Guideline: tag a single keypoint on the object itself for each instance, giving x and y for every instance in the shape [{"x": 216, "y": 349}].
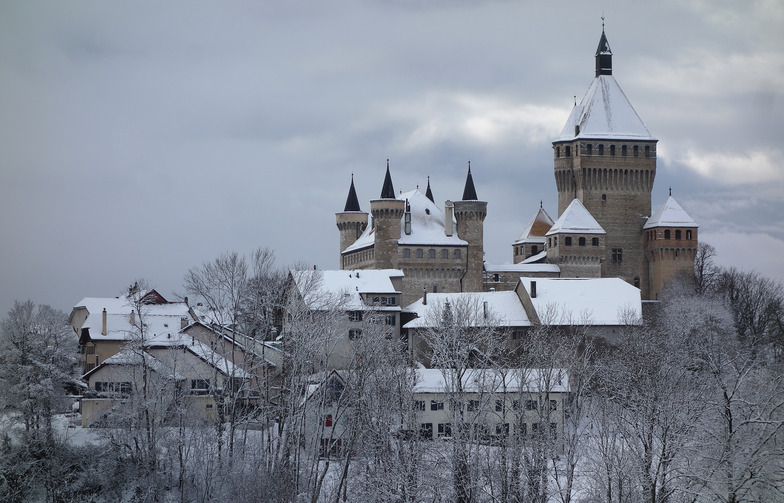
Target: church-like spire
[
  {"x": 352, "y": 202},
  {"x": 388, "y": 191},
  {"x": 603, "y": 55},
  {"x": 428, "y": 192},
  {"x": 469, "y": 192}
]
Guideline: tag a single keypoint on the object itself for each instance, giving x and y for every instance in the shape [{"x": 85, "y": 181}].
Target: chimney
[
  {"x": 449, "y": 208},
  {"x": 533, "y": 289},
  {"x": 103, "y": 322},
  {"x": 424, "y": 296},
  {"x": 484, "y": 308}
]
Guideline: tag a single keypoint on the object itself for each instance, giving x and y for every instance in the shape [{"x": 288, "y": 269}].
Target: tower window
[
  {"x": 667, "y": 234},
  {"x": 581, "y": 241},
  {"x": 612, "y": 149},
  {"x": 568, "y": 151},
  {"x": 456, "y": 254},
  {"x": 589, "y": 148},
  {"x": 406, "y": 252},
  {"x": 431, "y": 253},
  {"x": 647, "y": 151},
  {"x": 604, "y": 197},
  {"x": 557, "y": 151},
  {"x": 637, "y": 281},
  {"x": 601, "y": 149},
  {"x": 623, "y": 150},
  {"x": 419, "y": 253},
  {"x": 550, "y": 242},
  {"x": 594, "y": 241},
  {"x": 617, "y": 255},
  {"x": 568, "y": 240},
  {"x": 688, "y": 234},
  {"x": 555, "y": 241},
  {"x": 636, "y": 151},
  {"x": 444, "y": 253},
  {"x": 677, "y": 234},
  {"x": 534, "y": 250}
]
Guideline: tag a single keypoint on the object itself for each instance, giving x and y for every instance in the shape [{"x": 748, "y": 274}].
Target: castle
[{"x": 604, "y": 166}]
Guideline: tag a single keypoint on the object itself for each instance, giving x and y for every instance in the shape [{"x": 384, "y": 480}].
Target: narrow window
[
  {"x": 555, "y": 241},
  {"x": 601, "y": 149},
  {"x": 553, "y": 405},
  {"x": 647, "y": 151},
  {"x": 419, "y": 405},
  {"x": 499, "y": 405},
  {"x": 637, "y": 281},
  {"x": 431, "y": 253},
  {"x": 406, "y": 253},
  {"x": 623, "y": 150},
  {"x": 581, "y": 241},
  {"x": 435, "y": 288},
  {"x": 557, "y": 151},
  {"x": 328, "y": 420},
  {"x": 534, "y": 250},
  {"x": 688, "y": 234},
  {"x": 636, "y": 151},
  {"x": 604, "y": 197},
  {"x": 594, "y": 241},
  {"x": 444, "y": 253},
  {"x": 419, "y": 253},
  {"x": 677, "y": 234},
  {"x": 589, "y": 148},
  {"x": 667, "y": 234},
  {"x": 617, "y": 255},
  {"x": 568, "y": 151},
  {"x": 568, "y": 240},
  {"x": 612, "y": 149},
  {"x": 456, "y": 254}
]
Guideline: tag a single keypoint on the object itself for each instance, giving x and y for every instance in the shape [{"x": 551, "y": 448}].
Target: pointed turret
[
  {"x": 576, "y": 243},
  {"x": 469, "y": 192},
  {"x": 352, "y": 202},
  {"x": 352, "y": 221},
  {"x": 428, "y": 192},
  {"x": 603, "y": 56},
  {"x": 388, "y": 191}
]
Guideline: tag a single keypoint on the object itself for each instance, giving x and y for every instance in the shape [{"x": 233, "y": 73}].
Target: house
[{"x": 340, "y": 305}]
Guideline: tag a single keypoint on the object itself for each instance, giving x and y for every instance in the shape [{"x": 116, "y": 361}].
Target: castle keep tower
[
  {"x": 606, "y": 158},
  {"x": 470, "y": 215}
]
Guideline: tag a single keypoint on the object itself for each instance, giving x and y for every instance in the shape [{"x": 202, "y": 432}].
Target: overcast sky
[{"x": 139, "y": 139}]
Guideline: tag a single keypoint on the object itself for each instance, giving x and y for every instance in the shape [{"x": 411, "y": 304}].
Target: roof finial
[
  {"x": 602, "y": 21},
  {"x": 670, "y": 190},
  {"x": 575, "y": 100},
  {"x": 540, "y": 204},
  {"x": 469, "y": 165}
]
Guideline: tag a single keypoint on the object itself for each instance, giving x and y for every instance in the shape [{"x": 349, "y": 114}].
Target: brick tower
[
  {"x": 606, "y": 158},
  {"x": 470, "y": 215}
]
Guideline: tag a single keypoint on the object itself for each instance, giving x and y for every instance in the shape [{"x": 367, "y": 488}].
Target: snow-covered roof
[
  {"x": 503, "y": 309},
  {"x": 343, "y": 289},
  {"x": 584, "y": 301},
  {"x": 134, "y": 357},
  {"x": 604, "y": 113},
  {"x": 670, "y": 214},
  {"x": 493, "y": 381},
  {"x": 525, "y": 267},
  {"x": 160, "y": 320},
  {"x": 427, "y": 226},
  {"x": 536, "y": 229},
  {"x": 576, "y": 219}
]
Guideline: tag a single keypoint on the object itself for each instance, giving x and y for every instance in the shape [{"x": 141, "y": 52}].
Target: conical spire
[
  {"x": 603, "y": 55},
  {"x": 428, "y": 192},
  {"x": 352, "y": 203},
  {"x": 469, "y": 192},
  {"x": 388, "y": 191}
]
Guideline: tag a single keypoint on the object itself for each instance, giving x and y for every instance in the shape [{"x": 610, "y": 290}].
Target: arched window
[
  {"x": 647, "y": 150},
  {"x": 557, "y": 151},
  {"x": 688, "y": 234},
  {"x": 444, "y": 253},
  {"x": 589, "y": 148},
  {"x": 636, "y": 151},
  {"x": 581, "y": 241},
  {"x": 534, "y": 250},
  {"x": 431, "y": 253},
  {"x": 419, "y": 253},
  {"x": 406, "y": 253},
  {"x": 594, "y": 241},
  {"x": 667, "y": 234},
  {"x": 568, "y": 241},
  {"x": 601, "y": 149},
  {"x": 456, "y": 254},
  {"x": 623, "y": 150},
  {"x": 555, "y": 241},
  {"x": 568, "y": 151},
  {"x": 612, "y": 149},
  {"x": 604, "y": 197},
  {"x": 677, "y": 234}
]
